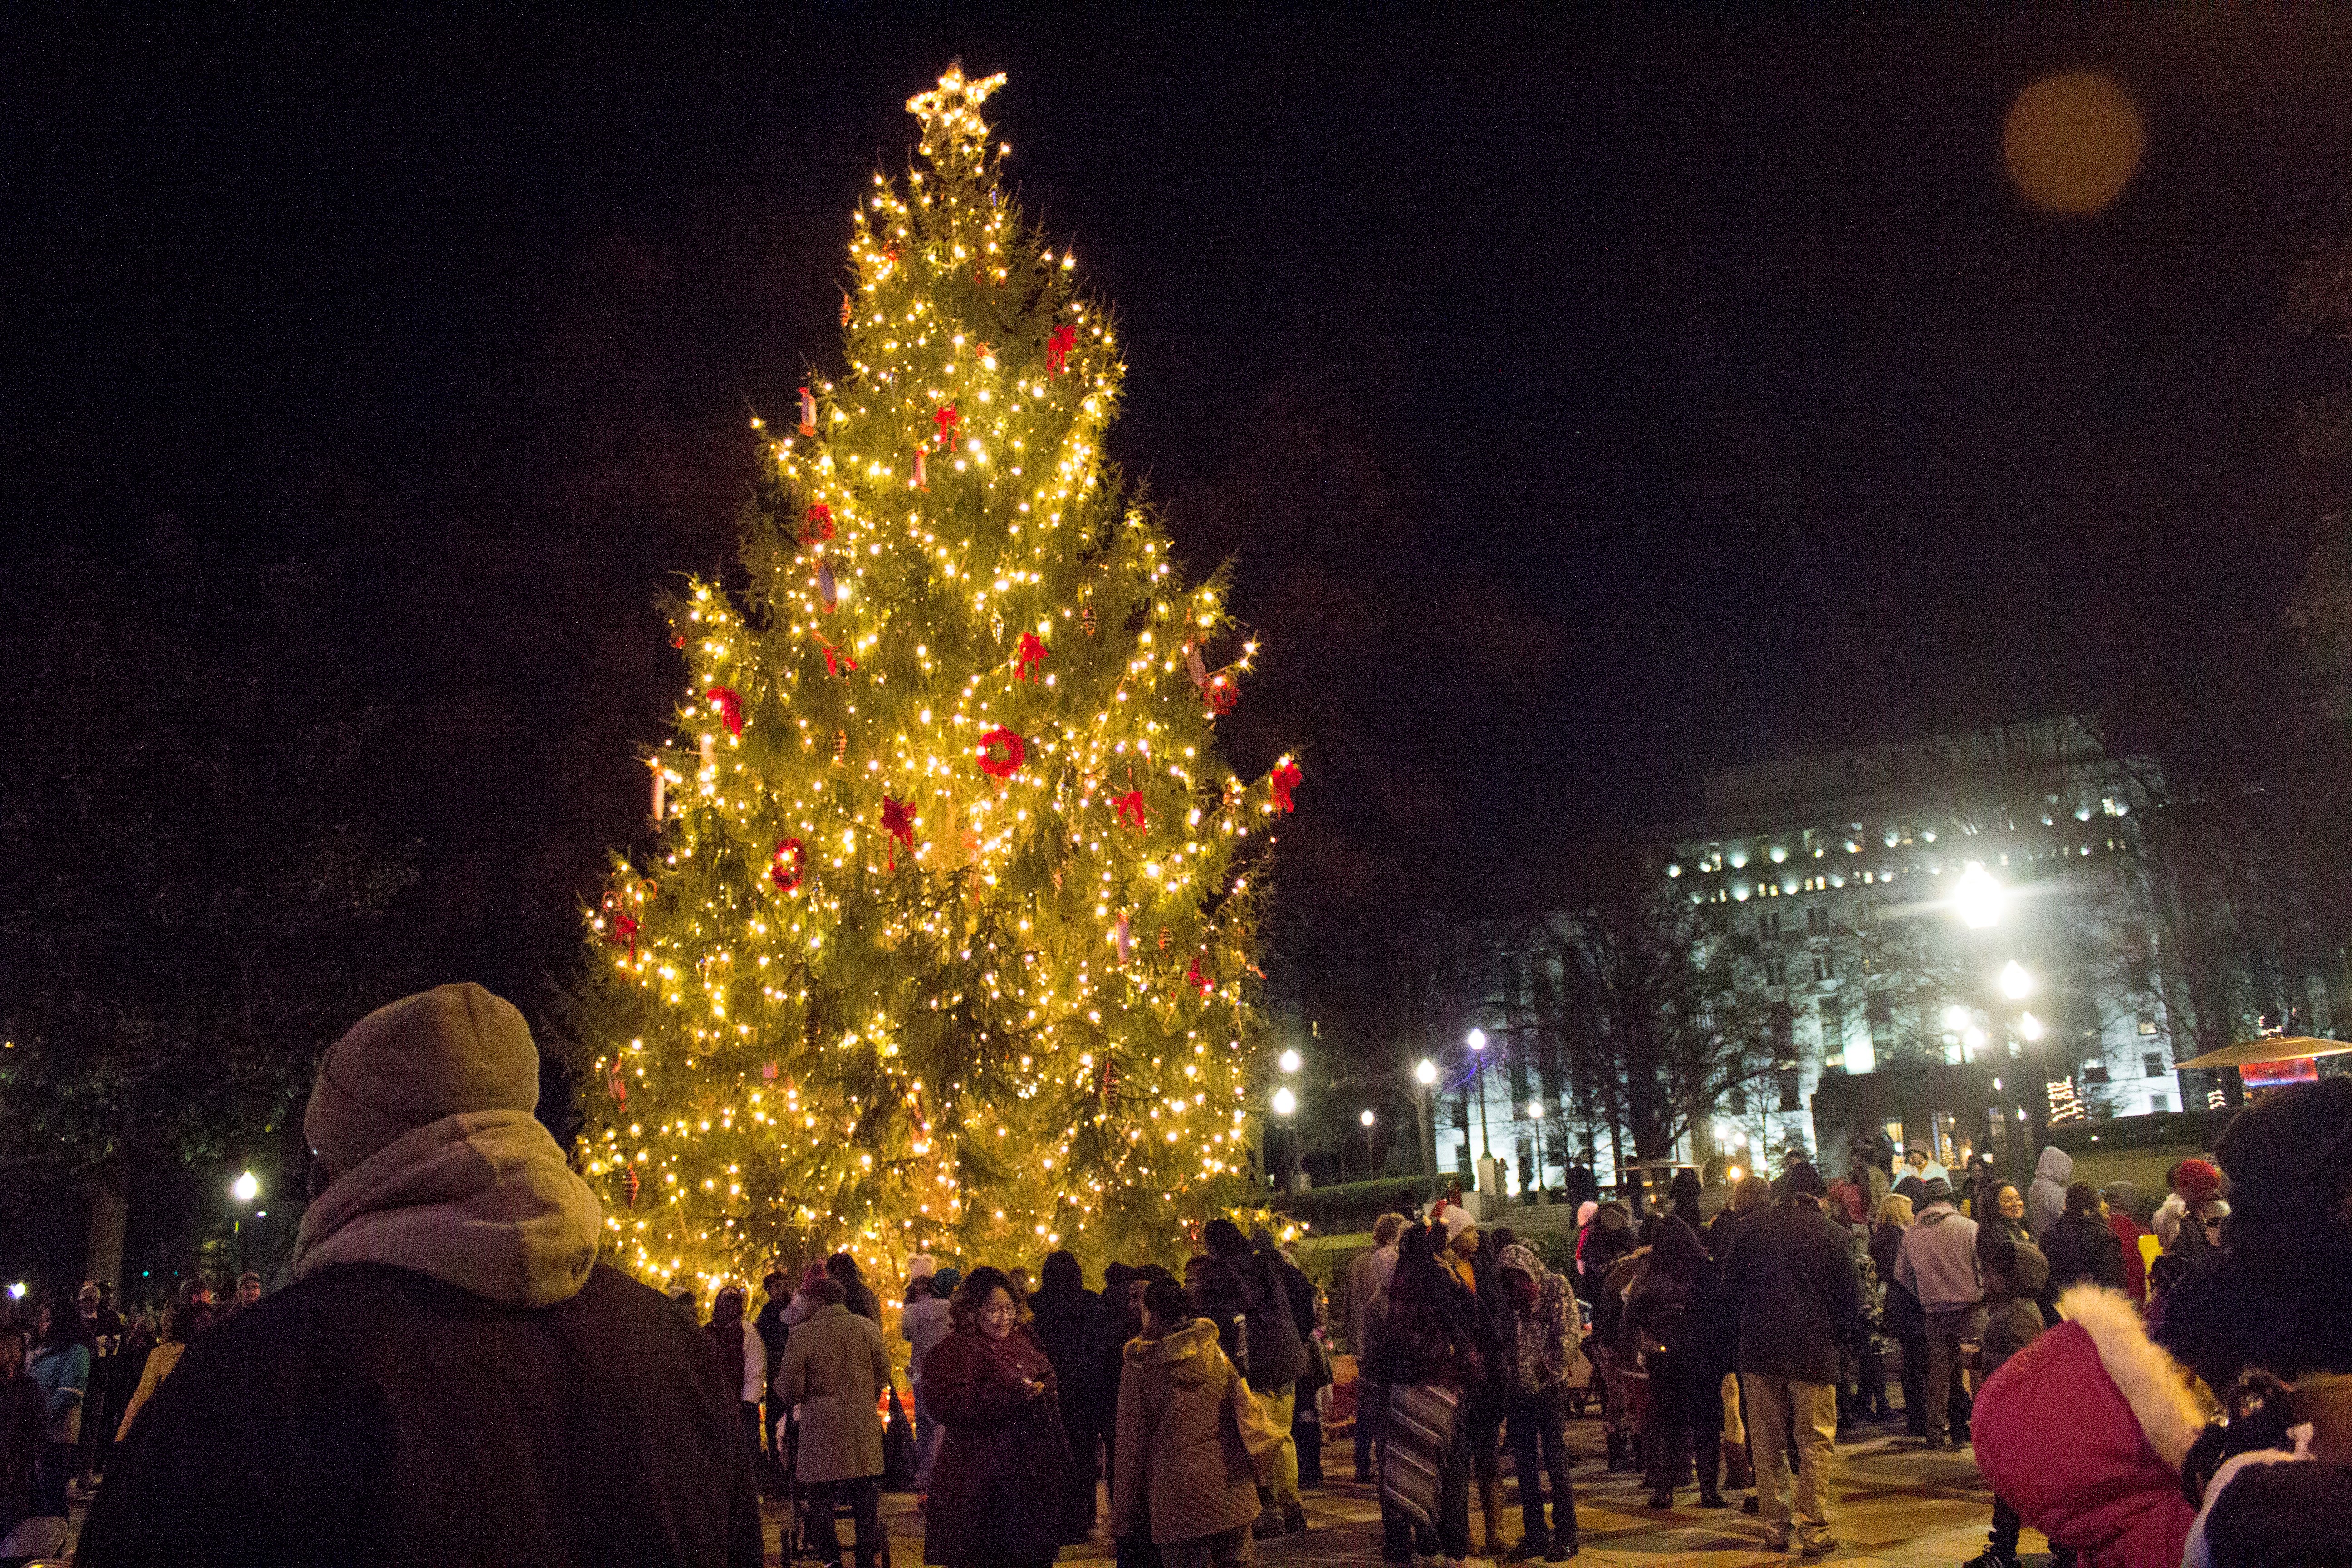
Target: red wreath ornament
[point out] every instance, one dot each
(729, 706)
(785, 866)
(1002, 753)
(817, 525)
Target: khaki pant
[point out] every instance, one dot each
(1774, 1403)
(1735, 1432)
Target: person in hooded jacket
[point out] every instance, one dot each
(742, 1356)
(1069, 1324)
(452, 1376)
(1665, 1309)
(2104, 1438)
(1541, 1332)
(1182, 1479)
(2080, 1246)
(834, 1373)
(2015, 1275)
(1608, 1241)
(2045, 1197)
(1242, 1292)
(1937, 1264)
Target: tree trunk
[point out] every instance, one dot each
(109, 1218)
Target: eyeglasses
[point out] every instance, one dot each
(998, 1310)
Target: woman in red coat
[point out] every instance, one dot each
(996, 1485)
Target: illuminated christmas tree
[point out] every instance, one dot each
(948, 942)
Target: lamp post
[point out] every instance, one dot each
(1535, 1115)
(245, 1189)
(1372, 1159)
(1284, 1103)
(1476, 1041)
(1424, 1078)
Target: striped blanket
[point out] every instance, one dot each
(1419, 1430)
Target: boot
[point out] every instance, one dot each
(1738, 1473)
(1490, 1503)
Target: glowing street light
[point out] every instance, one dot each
(1978, 897)
(1368, 1118)
(1957, 1018)
(1289, 1061)
(2015, 983)
(2031, 1027)
(245, 1188)
(1476, 1040)
(1285, 1102)
(1535, 1109)
(1426, 1073)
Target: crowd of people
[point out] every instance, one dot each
(451, 1376)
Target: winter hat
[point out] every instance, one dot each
(1584, 1213)
(1936, 1187)
(2123, 1197)
(1456, 1219)
(1748, 1192)
(453, 1049)
(944, 1282)
(2197, 1180)
(2290, 1156)
(920, 1267)
(1806, 1181)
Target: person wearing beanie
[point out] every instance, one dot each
(452, 1375)
(1789, 1277)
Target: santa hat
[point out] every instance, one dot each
(1455, 1220)
(2197, 1182)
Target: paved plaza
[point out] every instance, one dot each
(1892, 1506)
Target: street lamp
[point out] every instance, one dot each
(1289, 1061)
(1284, 1103)
(2015, 983)
(1424, 1078)
(1476, 1041)
(1370, 1158)
(1978, 897)
(245, 1188)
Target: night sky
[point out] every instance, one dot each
(1586, 399)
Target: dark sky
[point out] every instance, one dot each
(1682, 387)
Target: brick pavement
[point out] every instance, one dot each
(1892, 1505)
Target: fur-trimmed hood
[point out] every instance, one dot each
(2084, 1432)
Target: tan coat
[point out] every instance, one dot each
(835, 1369)
(1182, 1471)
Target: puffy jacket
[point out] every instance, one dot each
(1542, 1350)
(1179, 1468)
(2045, 1199)
(2084, 1432)
(1938, 1262)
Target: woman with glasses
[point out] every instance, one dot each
(996, 1487)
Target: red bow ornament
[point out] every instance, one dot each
(618, 1088)
(1031, 653)
(1286, 778)
(1129, 808)
(817, 525)
(1222, 693)
(1058, 344)
(1002, 753)
(1193, 975)
(898, 821)
(947, 419)
(729, 705)
(785, 866)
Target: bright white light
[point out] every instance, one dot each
(1367, 1119)
(16, 1291)
(1956, 1019)
(1978, 897)
(1478, 1040)
(1426, 1072)
(1289, 1061)
(2021, 1113)
(1285, 1102)
(245, 1188)
(1735, 1172)
(1974, 1039)
(2015, 983)
(1996, 1086)
(2031, 1027)
(1535, 1109)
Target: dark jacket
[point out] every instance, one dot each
(1244, 1287)
(1070, 1328)
(1797, 1299)
(2015, 1275)
(369, 1413)
(997, 1483)
(2080, 1248)
(1902, 1316)
(21, 1419)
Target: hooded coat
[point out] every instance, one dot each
(835, 1370)
(1541, 1349)
(450, 1378)
(1180, 1470)
(2045, 1198)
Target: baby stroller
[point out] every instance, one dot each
(1576, 1388)
(800, 1538)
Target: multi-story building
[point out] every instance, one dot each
(1975, 901)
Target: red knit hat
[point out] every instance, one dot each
(2197, 1182)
